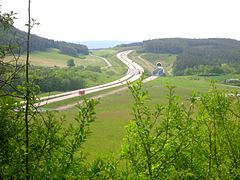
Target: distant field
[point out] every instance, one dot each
(220, 79)
(118, 68)
(114, 112)
(53, 57)
(105, 52)
(110, 55)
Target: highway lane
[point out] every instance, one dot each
(135, 71)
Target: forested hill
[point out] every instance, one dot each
(193, 54)
(14, 36)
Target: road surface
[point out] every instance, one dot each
(135, 71)
(71, 105)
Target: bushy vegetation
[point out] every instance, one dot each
(57, 79)
(196, 140)
(54, 151)
(70, 63)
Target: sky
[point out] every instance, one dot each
(129, 20)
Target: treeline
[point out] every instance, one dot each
(172, 45)
(131, 44)
(195, 53)
(17, 39)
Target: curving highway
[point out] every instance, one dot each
(135, 71)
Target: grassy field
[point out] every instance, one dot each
(53, 57)
(114, 112)
(220, 79)
(110, 55)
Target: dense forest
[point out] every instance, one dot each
(15, 37)
(199, 56)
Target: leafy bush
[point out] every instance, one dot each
(70, 63)
(203, 70)
(55, 150)
(94, 68)
(196, 140)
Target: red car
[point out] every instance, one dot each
(81, 92)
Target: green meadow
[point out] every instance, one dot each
(53, 57)
(115, 111)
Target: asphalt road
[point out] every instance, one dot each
(135, 71)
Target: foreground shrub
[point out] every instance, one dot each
(198, 139)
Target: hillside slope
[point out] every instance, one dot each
(17, 38)
(198, 55)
